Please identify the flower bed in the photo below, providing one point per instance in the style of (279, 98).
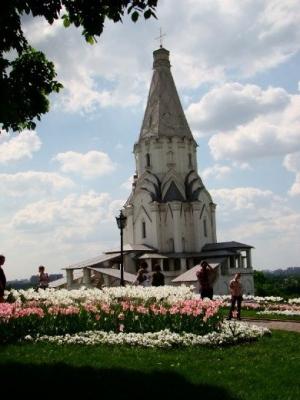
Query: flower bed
(169, 294)
(290, 313)
(229, 333)
(122, 310)
(164, 317)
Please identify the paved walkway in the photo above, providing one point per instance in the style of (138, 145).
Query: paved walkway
(279, 325)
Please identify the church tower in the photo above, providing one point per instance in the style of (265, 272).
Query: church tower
(170, 214)
(169, 208)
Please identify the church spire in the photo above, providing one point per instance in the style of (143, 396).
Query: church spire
(164, 115)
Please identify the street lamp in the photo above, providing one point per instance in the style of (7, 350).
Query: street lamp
(121, 221)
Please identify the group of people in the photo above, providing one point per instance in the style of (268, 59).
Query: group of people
(143, 278)
(206, 277)
(43, 278)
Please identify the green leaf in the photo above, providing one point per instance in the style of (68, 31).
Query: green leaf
(135, 16)
(66, 20)
(90, 39)
(147, 14)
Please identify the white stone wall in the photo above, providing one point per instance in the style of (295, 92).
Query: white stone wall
(166, 153)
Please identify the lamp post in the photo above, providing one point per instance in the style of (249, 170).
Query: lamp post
(121, 221)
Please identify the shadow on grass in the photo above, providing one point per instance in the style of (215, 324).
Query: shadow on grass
(61, 380)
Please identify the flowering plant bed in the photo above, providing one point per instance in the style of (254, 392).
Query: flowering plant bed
(137, 311)
(229, 333)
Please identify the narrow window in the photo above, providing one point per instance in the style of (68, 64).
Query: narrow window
(190, 160)
(166, 266)
(205, 227)
(143, 229)
(177, 265)
(171, 245)
(147, 160)
(183, 244)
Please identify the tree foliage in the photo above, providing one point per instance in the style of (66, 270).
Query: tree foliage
(271, 284)
(27, 78)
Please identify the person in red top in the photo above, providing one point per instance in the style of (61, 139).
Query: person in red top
(205, 277)
(2, 279)
(236, 291)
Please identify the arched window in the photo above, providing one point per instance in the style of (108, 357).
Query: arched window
(205, 228)
(143, 229)
(148, 160)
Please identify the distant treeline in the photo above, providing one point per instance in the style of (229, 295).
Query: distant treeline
(281, 282)
(30, 283)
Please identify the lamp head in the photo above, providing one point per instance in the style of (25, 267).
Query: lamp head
(121, 220)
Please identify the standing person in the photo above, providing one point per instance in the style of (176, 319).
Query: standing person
(236, 291)
(2, 279)
(43, 278)
(142, 275)
(158, 278)
(206, 276)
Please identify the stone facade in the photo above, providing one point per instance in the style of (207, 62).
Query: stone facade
(169, 208)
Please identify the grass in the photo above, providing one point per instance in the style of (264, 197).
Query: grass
(264, 370)
(253, 314)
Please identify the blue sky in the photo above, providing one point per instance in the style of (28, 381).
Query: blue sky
(236, 67)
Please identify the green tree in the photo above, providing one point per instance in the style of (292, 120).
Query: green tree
(27, 81)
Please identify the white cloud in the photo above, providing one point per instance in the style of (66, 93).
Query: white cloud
(258, 216)
(38, 30)
(232, 104)
(242, 198)
(89, 165)
(127, 184)
(21, 145)
(244, 37)
(292, 163)
(272, 134)
(216, 171)
(33, 183)
(209, 42)
(72, 217)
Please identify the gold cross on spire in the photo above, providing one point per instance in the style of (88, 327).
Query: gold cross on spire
(160, 37)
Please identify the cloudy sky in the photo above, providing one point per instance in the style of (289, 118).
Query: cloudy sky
(236, 67)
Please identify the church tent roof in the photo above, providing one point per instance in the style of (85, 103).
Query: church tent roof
(226, 245)
(131, 248)
(63, 281)
(218, 253)
(151, 255)
(164, 115)
(190, 275)
(94, 261)
(115, 273)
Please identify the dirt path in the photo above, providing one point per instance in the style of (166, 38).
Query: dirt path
(279, 325)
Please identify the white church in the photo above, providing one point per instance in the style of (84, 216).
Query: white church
(171, 218)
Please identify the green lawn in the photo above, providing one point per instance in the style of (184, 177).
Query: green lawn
(266, 370)
(253, 314)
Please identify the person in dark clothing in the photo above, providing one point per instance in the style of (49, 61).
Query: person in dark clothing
(43, 278)
(2, 279)
(206, 276)
(158, 278)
